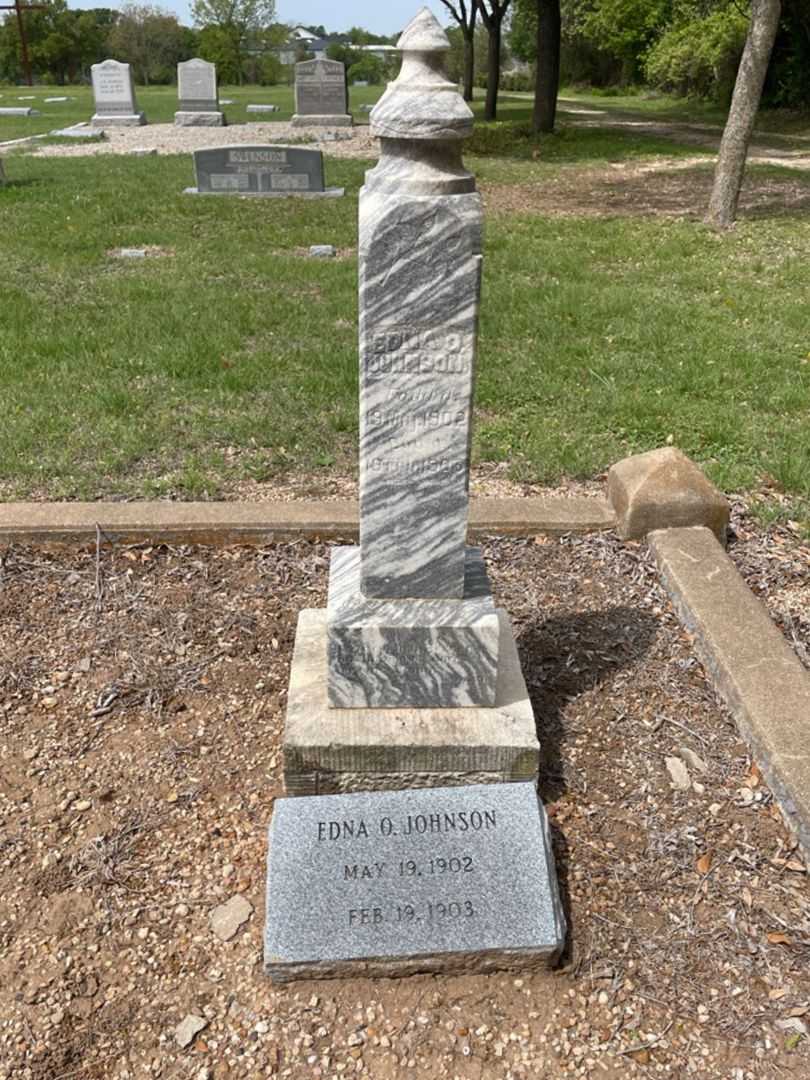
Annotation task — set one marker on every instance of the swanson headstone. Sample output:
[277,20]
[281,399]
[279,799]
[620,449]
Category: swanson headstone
[260,170]
[321,94]
[397,882]
[114,96]
[198,97]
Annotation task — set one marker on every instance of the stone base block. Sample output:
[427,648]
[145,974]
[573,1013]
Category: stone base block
[124,120]
[393,653]
[330,750]
[329,120]
[199,119]
[330,193]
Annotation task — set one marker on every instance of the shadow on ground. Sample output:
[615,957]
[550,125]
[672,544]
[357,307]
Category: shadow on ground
[561,659]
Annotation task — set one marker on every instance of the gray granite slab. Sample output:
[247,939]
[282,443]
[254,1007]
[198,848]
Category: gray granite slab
[114,95]
[395,882]
[262,108]
[330,750]
[420,653]
[259,170]
[22,110]
[78,133]
[321,88]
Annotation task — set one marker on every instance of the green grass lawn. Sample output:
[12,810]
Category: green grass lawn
[229,354]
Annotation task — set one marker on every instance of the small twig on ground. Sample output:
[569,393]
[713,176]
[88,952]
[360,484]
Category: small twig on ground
[683,727]
[650,1042]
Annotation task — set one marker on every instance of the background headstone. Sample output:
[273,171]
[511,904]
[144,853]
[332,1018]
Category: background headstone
[114,95]
[198,97]
[260,170]
[321,94]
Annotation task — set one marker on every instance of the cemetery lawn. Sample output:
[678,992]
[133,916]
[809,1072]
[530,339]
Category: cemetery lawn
[612,322]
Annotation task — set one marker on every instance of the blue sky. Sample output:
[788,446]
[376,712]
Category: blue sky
[378,16]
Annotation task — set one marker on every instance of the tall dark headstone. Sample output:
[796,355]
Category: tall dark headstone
[321,94]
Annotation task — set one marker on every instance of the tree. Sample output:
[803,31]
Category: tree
[369,68]
[728,175]
[536,38]
[547,70]
[465,13]
[152,41]
[493,13]
[234,21]
[62,43]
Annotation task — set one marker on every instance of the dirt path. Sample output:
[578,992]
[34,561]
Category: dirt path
[767,148]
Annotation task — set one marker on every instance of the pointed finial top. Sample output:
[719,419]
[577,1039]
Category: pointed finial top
[423,34]
[421,103]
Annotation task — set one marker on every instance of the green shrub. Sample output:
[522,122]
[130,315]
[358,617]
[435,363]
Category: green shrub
[699,57]
[517,81]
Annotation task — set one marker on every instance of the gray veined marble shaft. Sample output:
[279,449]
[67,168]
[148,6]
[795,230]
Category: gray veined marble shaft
[420,268]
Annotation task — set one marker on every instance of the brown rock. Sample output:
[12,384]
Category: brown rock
[664,489]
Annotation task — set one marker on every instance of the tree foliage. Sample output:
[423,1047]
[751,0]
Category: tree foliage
[152,41]
[62,43]
[228,28]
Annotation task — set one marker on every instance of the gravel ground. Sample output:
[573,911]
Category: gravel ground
[168,139]
[141,705]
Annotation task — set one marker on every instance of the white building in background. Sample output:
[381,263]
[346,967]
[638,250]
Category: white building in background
[382,51]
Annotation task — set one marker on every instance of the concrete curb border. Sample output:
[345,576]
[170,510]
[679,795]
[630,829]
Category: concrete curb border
[219,523]
[748,659]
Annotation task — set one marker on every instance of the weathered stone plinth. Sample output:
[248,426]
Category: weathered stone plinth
[100,120]
[330,750]
[415,653]
[199,119]
[336,120]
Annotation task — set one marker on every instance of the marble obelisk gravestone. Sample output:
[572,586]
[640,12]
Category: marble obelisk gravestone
[411,617]
[411,676]
[198,96]
[410,679]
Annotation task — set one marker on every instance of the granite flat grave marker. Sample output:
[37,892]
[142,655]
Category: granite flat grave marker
[197,91]
[114,95]
[397,882]
[321,94]
[18,110]
[260,170]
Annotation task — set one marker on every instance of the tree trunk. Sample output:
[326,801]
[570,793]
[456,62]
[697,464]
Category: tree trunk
[728,175]
[547,73]
[493,70]
[469,64]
